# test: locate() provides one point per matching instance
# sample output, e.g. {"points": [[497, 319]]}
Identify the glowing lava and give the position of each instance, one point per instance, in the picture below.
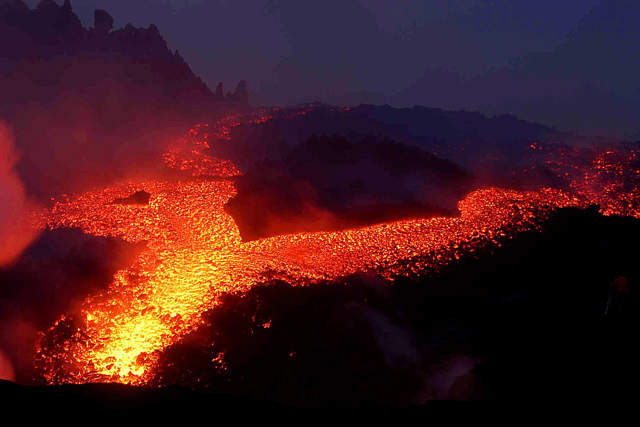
{"points": [[195, 254]]}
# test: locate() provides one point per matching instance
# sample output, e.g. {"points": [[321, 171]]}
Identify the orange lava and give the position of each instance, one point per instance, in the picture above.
{"points": [[195, 254]]}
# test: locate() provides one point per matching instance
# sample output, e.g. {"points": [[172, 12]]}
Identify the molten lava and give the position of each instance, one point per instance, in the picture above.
{"points": [[195, 254]]}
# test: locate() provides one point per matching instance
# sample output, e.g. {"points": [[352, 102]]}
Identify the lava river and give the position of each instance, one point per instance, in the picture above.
{"points": [[195, 254]]}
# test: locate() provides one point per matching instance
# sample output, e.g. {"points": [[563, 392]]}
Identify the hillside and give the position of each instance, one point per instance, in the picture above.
{"points": [[76, 98]]}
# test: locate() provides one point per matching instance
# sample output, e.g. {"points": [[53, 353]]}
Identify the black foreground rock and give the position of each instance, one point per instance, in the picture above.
{"points": [[547, 316]]}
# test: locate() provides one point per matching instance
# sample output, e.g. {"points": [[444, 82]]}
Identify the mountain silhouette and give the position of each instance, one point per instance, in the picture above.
{"points": [[588, 82], [89, 104]]}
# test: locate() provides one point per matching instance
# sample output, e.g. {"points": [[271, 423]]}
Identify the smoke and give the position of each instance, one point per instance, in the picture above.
{"points": [[51, 277], [16, 232], [6, 369]]}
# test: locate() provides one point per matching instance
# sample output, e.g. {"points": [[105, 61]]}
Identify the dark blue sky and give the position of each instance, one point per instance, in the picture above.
{"points": [[392, 51], [290, 49]]}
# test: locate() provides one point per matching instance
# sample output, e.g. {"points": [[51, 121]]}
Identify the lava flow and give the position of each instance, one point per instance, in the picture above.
{"points": [[195, 254]]}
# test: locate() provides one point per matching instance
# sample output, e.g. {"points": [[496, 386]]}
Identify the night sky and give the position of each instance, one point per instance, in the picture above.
{"points": [[443, 53]]}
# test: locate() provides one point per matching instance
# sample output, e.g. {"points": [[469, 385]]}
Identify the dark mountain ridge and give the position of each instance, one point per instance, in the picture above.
{"points": [[459, 136], [89, 104], [332, 167], [588, 82]]}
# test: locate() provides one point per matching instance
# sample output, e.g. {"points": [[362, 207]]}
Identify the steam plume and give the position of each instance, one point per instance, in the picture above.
{"points": [[15, 230]]}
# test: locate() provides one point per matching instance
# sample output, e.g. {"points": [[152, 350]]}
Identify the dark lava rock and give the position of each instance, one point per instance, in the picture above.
{"points": [[329, 183], [548, 315], [138, 198]]}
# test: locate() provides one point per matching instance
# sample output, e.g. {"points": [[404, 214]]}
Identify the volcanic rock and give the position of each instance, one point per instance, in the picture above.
{"points": [[138, 198], [369, 182], [550, 313], [93, 90], [103, 22]]}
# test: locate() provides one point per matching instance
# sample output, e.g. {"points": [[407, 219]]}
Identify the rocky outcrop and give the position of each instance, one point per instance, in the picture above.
{"points": [[241, 94], [238, 97], [77, 97], [50, 30], [138, 198], [329, 183], [103, 22]]}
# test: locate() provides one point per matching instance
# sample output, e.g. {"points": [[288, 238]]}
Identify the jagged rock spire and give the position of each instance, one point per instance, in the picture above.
{"points": [[46, 3], [241, 94], [102, 21]]}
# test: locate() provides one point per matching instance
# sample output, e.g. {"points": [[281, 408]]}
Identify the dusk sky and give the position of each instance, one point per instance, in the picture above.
{"points": [[401, 52]]}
